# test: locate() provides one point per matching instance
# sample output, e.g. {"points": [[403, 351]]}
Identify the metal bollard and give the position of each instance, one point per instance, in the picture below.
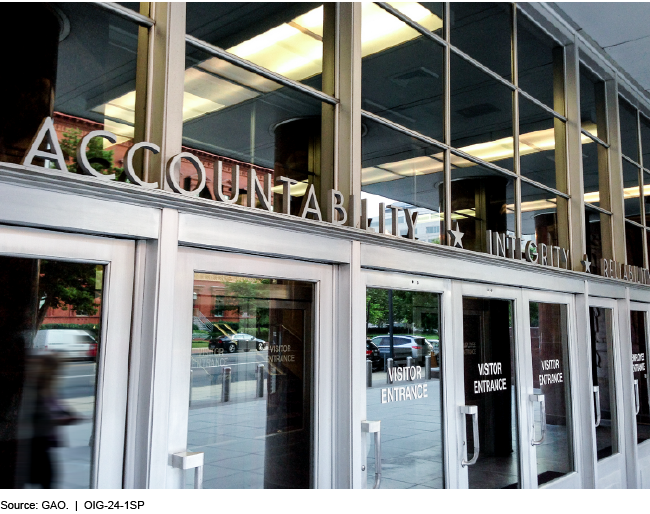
{"points": [[427, 367], [225, 384], [409, 364], [368, 373], [274, 381], [389, 367], [259, 372]]}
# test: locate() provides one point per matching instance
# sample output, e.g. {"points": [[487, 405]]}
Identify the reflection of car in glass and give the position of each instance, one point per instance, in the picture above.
{"points": [[404, 346], [235, 343], [372, 354], [66, 343]]}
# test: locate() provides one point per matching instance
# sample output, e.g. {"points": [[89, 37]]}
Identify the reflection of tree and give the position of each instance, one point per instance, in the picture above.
{"points": [[250, 297], [101, 160], [66, 285], [405, 305]]}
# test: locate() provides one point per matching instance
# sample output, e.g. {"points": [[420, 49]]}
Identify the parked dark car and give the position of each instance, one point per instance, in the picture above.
{"points": [[236, 343], [404, 346], [373, 355]]}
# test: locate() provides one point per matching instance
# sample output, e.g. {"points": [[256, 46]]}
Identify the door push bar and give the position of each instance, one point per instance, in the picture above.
{"points": [[374, 427], [189, 460], [539, 398], [637, 403], [473, 411], [597, 405]]}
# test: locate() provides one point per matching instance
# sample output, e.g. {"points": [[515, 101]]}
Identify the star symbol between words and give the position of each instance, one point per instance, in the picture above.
{"points": [[457, 236], [586, 264]]}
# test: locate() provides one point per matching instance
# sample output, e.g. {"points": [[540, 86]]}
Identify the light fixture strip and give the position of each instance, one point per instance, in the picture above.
{"points": [[413, 24], [220, 53], [125, 13]]}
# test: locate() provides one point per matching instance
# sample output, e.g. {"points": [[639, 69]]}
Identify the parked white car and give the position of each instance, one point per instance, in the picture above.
{"points": [[66, 343]]}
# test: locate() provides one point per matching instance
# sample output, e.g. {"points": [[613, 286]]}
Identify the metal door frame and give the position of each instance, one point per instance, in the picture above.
{"points": [[172, 383], [118, 256], [614, 463]]}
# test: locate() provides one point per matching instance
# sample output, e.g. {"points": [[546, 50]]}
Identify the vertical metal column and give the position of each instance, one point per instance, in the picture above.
{"points": [[427, 367], [225, 384], [390, 322]]}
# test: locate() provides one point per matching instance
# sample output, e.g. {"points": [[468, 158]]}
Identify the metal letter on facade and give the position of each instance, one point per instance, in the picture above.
{"points": [[46, 132], [530, 256], [175, 162], [82, 158], [255, 190], [218, 184], [335, 206], [286, 193], [128, 163], [395, 219], [310, 204], [382, 218], [411, 221]]}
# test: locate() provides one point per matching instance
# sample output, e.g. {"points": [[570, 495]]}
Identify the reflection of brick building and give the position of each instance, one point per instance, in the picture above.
{"points": [[208, 296], [64, 123], [68, 316]]}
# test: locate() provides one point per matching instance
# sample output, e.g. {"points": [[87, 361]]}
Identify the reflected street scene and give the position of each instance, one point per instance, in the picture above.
{"points": [[403, 388], [50, 313], [251, 382]]}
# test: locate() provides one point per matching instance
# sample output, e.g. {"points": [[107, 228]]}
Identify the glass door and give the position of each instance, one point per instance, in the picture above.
{"points": [[403, 377], [62, 426], [515, 412], [251, 334], [606, 387]]}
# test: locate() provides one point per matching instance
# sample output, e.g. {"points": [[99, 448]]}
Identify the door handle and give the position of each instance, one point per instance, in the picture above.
{"points": [[374, 427], [473, 411], [637, 403], [539, 398], [189, 460], [597, 404]]}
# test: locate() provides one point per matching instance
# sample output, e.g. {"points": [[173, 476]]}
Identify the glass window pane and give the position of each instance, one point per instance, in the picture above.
{"points": [[481, 199], [286, 38], [634, 244], [482, 30], [538, 215], [550, 352], [409, 408], [629, 135], [481, 114], [239, 119], [592, 103], [594, 164], [594, 220], [537, 53], [51, 342], [603, 377], [537, 143], [640, 371], [631, 192], [490, 385], [251, 398], [402, 171], [645, 141], [84, 80], [403, 82]]}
